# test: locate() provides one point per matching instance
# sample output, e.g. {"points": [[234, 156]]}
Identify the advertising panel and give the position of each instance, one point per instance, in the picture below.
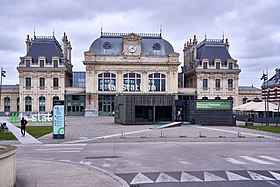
{"points": [[213, 105], [58, 121]]}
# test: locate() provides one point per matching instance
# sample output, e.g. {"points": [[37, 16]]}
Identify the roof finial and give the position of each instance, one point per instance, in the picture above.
{"points": [[223, 35], [34, 32], [160, 31], [101, 28], [205, 34], [53, 32]]}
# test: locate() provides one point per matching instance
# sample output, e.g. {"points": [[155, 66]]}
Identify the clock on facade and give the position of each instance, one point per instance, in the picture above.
{"points": [[132, 48]]}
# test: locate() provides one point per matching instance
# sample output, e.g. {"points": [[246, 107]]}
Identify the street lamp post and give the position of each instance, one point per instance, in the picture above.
{"points": [[3, 74], [264, 78]]}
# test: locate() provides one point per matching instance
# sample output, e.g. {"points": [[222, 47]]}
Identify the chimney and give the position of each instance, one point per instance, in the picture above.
{"points": [[69, 48], [194, 47], [227, 44], [65, 44], [28, 43], [277, 73]]}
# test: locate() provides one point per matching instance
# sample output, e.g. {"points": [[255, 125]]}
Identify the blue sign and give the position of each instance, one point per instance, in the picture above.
{"points": [[58, 121]]}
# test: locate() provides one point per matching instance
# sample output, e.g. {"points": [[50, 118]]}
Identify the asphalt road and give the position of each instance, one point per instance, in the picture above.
{"points": [[149, 164]]}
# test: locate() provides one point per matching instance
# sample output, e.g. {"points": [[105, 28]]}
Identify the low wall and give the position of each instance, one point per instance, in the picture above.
{"points": [[7, 166]]}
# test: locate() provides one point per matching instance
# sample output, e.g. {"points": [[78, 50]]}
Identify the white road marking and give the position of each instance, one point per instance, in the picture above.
{"points": [[211, 177], [163, 177], [184, 162], [256, 176], [234, 177], [54, 149], [276, 175], [66, 145], [106, 165], [234, 161], [235, 132], [141, 179], [59, 149], [69, 151], [255, 160], [109, 136], [65, 160], [88, 163], [270, 158], [188, 177]]}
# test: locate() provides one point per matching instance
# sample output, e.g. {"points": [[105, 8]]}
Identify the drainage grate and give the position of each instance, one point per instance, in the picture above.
{"points": [[101, 157]]}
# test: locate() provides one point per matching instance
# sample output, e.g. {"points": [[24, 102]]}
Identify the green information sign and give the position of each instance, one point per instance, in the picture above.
{"points": [[213, 105]]}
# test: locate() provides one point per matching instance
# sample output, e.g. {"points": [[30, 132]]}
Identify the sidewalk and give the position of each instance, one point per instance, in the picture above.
{"points": [[27, 139], [52, 174]]}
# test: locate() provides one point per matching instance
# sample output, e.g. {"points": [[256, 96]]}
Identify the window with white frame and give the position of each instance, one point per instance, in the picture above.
{"points": [[204, 65], [107, 82], [218, 83], [157, 82], [205, 84], [230, 83], [42, 104], [28, 104], [7, 104], [131, 82]]}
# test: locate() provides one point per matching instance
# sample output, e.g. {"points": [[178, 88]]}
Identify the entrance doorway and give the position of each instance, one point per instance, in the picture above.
{"points": [[106, 105], [75, 105]]}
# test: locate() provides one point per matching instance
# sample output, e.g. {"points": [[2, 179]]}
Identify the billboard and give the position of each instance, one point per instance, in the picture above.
{"points": [[213, 105]]}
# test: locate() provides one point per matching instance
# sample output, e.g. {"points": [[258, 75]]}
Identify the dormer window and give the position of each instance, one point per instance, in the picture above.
{"points": [[42, 63], [230, 65], [204, 65], [55, 63], [27, 63], [218, 65]]}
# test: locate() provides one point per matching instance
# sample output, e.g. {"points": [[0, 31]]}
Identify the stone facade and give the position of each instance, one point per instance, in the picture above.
{"points": [[130, 68], [209, 71], [44, 73], [248, 94], [9, 99]]}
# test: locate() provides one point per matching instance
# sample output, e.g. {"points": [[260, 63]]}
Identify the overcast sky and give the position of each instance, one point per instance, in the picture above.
{"points": [[252, 27]]}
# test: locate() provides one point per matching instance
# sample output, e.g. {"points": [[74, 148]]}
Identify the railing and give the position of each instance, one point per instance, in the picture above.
{"points": [[125, 34]]}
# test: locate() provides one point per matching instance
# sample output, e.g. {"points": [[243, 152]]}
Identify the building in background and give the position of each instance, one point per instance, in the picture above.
{"points": [[44, 73], [209, 71], [271, 88], [248, 94]]}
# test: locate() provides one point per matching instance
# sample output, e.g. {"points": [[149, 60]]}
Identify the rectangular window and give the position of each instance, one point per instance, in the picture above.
{"points": [[218, 83], [42, 83], [55, 63], [205, 84], [42, 63], [27, 63], [55, 82], [218, 65], [230, 65], [28, 82], [230, 84], [204, 65]]}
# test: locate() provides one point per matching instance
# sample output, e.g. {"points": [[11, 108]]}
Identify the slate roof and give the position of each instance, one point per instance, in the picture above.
{"points": [[213, 49], [274, 80], [116, 42], [248, 88], [9, 86], [46, 46]]}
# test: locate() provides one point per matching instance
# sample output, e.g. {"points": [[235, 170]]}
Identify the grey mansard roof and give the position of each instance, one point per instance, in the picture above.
{"points": [[213, 49], [274, 80], [46, 46], [116, 42]]}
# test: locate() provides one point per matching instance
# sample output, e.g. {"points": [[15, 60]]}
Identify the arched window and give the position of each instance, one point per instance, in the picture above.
{"points": [[107, 82], [28, 104], [157, 82], [132, 82], [217, 98], [204, 98], [42, 104], [7, 104], [55, 98]]}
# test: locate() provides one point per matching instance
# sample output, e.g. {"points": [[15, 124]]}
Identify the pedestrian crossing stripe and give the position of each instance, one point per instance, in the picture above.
{"points": [[234, 177], [141, 179], [185, 177], [209, 176], [256, 176], [163, 177], [276, 175]]}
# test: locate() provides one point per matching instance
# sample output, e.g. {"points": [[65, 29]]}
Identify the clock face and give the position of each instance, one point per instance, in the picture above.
{"points": [[132, 48]]}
